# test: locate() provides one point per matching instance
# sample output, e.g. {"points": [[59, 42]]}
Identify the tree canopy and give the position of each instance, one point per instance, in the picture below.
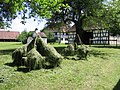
{"points": [[23, 37], [10, 9], [112, 17], [90, 14], [84, 13], [80, 12]]}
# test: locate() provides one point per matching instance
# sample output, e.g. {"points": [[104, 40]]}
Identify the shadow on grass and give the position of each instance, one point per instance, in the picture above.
{"points": [[20, 69], [10, 64], [117, 87], [24, 70], [8, 51], [102, 46], [96, 53], [59, 49]]}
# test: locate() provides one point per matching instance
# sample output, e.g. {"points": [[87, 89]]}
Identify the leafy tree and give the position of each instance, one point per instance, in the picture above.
{"points": [[23, 37], [49, 33], [112, 17], [10, 9], [79, 12], [30, 33]]}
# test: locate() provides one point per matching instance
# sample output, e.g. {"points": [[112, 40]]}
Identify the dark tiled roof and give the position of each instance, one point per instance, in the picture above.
{"points": [[9, 35], [68, 29], [72, 29], [42, 34]]}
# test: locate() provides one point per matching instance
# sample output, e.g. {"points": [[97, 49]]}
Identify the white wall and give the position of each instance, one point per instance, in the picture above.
{"points": [[44, 40], [64, 41], [115, 38]]}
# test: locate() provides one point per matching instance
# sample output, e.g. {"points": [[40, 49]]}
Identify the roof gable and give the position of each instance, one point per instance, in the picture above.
{"points": [[42, 34], [9, 35]]}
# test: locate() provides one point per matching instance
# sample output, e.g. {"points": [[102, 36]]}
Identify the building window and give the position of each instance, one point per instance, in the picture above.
{"points": [[66, 39], [61, 38], [55, 33]]}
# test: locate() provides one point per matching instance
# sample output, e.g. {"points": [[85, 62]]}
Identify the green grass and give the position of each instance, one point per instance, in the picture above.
{"points": [[58, 45], [9, 45], [100, 72]]}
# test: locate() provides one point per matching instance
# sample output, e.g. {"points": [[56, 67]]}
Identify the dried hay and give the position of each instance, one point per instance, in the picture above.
{"points": [[75, 53], [52, 56], [34, 60], [31, 45], [18, 54], [75, 46], [41, 46], [37, 55], [69, 50], [82, 52]]}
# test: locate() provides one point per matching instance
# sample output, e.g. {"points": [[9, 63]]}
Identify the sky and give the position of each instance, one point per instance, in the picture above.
{"points": [[30, 25]]}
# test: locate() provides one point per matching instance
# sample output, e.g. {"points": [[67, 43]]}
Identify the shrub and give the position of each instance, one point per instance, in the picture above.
{"points": [[23, 37]]}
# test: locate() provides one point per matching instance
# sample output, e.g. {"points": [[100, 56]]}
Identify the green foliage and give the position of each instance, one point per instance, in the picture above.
{"points": [[50, 35], [110, 17], [10, 9], [30, 33], [114, 18], [23, 37], [85, 14]]}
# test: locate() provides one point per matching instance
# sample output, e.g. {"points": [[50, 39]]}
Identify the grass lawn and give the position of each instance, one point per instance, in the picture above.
{"points": [[100, 72]]}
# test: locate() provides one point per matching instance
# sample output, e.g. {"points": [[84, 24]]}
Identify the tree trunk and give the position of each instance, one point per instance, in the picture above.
{"points": [[79, 33]]}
